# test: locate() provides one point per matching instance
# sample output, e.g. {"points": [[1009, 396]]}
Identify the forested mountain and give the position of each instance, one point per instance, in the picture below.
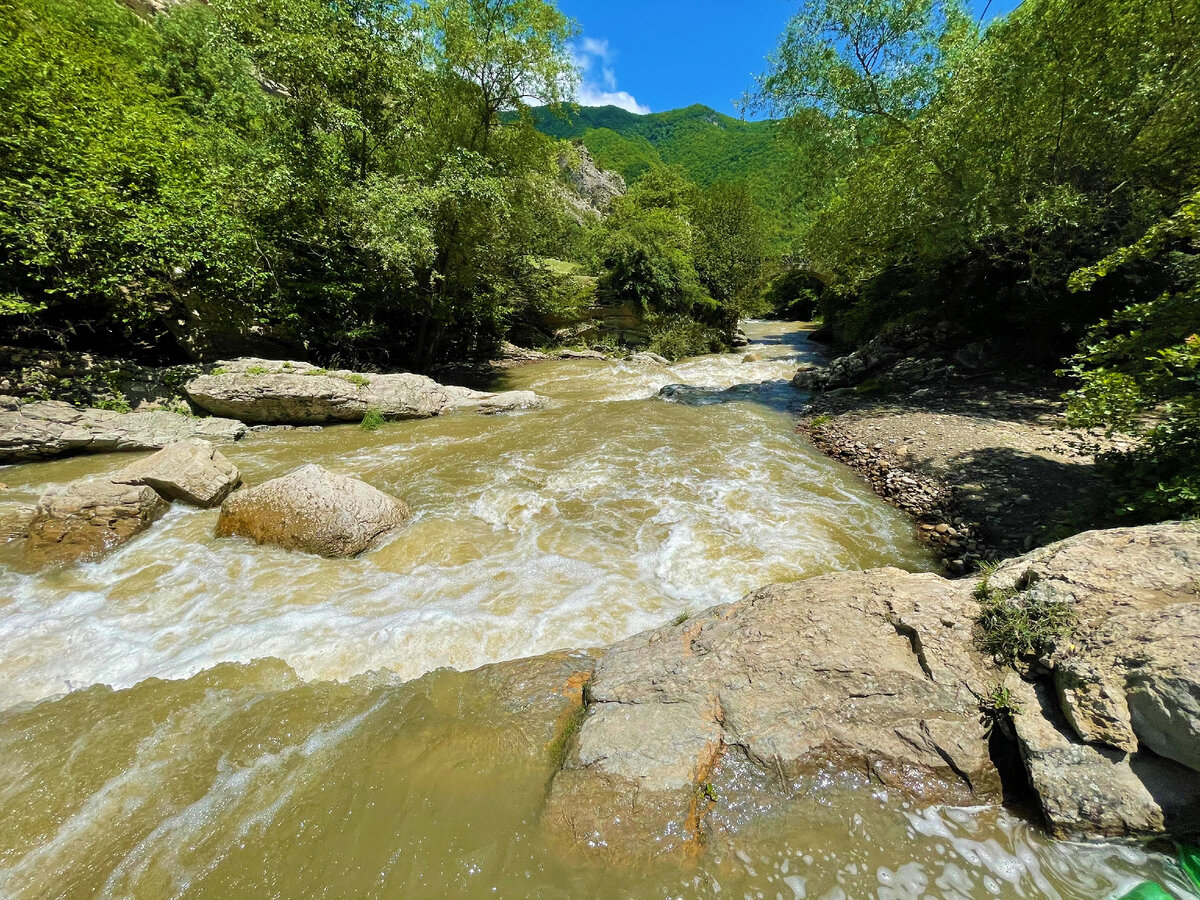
{"points": [[707, 146]]}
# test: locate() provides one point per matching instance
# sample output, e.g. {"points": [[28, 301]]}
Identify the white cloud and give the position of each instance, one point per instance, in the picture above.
{"points": [[598, 78]]}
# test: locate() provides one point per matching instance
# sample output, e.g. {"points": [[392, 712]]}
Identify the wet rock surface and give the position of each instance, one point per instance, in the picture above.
{"points": [[313, 510], [270, 392], [193, 471], [46, 429], [869, 672], [87, 519], [877, 676]]}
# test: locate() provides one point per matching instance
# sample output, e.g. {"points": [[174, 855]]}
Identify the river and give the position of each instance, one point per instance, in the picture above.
{"points": [[194, 717]]}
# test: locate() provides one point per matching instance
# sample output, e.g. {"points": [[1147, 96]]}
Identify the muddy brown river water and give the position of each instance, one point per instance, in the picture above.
{"points": [[203, 718]]}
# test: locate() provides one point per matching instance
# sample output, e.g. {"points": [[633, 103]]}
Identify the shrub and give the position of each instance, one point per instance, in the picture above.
{"points": [[372, 420], [678, 338], [116, 404]]}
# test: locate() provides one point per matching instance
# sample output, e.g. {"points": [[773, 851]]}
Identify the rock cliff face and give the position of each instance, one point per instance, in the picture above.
{"points": [[876, 677], [590, 190]]}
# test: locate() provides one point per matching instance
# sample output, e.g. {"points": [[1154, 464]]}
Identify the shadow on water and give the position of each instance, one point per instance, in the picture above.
{"points": [[778, 395]]}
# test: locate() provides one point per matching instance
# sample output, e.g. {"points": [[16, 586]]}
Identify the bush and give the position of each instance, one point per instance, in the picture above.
{"points": [[1139, 371], [372, 420], [684, 337]]}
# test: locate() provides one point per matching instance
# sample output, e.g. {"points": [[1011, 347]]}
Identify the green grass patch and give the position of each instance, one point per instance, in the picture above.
{"points": [[115, 404], [562, 740], [1016, 625], [357, 380], [372, 420]]}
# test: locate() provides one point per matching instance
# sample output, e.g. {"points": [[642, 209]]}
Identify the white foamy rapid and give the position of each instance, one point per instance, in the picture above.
{"points": [[610, 512]]}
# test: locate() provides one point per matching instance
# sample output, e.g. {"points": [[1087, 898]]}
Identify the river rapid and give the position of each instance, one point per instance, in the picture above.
{"points": [[193, 717]]}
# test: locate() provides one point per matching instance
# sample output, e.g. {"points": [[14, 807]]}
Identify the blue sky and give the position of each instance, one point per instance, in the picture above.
{"points": [[655, 55]]}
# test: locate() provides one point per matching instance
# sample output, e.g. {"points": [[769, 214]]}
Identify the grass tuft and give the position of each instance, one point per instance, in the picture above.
{"points": [[1014, 626]]}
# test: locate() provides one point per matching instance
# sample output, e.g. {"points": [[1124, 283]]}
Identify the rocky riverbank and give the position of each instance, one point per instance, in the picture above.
{"points": [[231, 396], [981, 457], [880, 679]]}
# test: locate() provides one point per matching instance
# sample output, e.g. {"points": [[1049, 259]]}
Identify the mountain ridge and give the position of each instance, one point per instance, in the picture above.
{"points": [[706, 145]]}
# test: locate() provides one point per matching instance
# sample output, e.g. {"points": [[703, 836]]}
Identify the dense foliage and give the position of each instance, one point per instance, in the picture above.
{"points": [[337, 177], [983, 169], [967, 176], [1139, 371], [687, 259]]}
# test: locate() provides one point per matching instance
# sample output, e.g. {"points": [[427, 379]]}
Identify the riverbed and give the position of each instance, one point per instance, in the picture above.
{"points": [[194, 717]]}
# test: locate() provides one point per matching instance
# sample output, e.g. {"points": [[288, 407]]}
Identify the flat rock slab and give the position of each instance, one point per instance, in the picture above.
{"points": [[876, 676], [193, 471], [89, 518], [872, 672], [313, 510], [47, 429], [280, 392]]}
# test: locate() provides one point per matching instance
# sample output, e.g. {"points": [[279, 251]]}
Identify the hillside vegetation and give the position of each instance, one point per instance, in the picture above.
{"points": [[356, 183], [1036, 184], [706, 146]]}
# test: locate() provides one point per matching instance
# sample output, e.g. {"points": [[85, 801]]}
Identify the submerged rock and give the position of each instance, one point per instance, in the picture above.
{"points": [[278, 392], [313, 510], [693, 395], [87, 519], [646, 358], [50, 428], [193, 471]]}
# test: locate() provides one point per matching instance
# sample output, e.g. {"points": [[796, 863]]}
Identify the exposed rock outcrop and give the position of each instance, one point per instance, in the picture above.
{"points": [[908, 354], [590, 190], [46, 429], [1112, 739], [872, 673], [875, 676], [87, 519], [193, 471], [313, 510], [85, 379], [293, 393]]}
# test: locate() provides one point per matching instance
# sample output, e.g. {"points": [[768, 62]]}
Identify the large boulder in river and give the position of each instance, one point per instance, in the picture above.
{"points": [[868, 673], [49, 428], [293, 393], [314, 510], [86, 519], [875, 677], [192, 471]]}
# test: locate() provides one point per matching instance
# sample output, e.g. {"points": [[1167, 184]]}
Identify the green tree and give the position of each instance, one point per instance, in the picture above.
{"points": [[731, 246], [1139, 371]]}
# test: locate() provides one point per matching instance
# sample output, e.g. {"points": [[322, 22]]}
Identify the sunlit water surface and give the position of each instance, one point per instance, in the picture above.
{"points": [[326, 775]]}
